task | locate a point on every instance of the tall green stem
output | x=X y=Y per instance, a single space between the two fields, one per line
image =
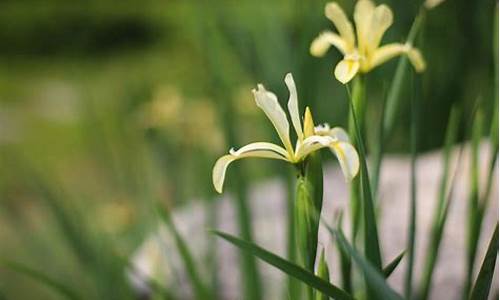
x=308 y=202
x=358 y=99
x=413 y=201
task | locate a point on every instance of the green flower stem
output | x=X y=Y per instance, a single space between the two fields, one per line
x=308 y=202
x=358 y=99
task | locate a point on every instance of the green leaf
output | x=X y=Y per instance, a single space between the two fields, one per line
x=287 y=267
x=323 y=273
x=345 y=261
x=442 y=206
x=482 y=286
x=387 y=271
x=199 y=288
x=374 y=278
x=44 y=279
x=372 y=246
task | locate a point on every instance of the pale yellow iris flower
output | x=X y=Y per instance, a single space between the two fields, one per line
x=371 y=23
x=308 y=140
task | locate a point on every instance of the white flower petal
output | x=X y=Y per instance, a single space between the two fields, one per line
x=416 y=60
x=268 y=102
x=335 y=13
x=381 y=20
x=258 y=146
x=348 y=158
x=311 y=144
x=346 y=69
x=339 y=134
x=363 y=12
x=293 y=106
x=260 y=149
x=324 y=40
x=392 y=50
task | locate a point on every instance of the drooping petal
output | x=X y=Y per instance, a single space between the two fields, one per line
x=324 y=40
x=268 y=102
x=339 y=134
x=259 y=146
x=335 y=13
x=416 y=59
x=363 y=12
x=381 y=20
x=430 y=4
x=346 y=69
x=390 y=51
x=348 y=158
x=293 y=106
x=261 y=149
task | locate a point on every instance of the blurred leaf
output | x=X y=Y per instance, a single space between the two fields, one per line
x=323 y=273
x=199 y=288
x=474 y=214
x=287 y=267
x=387 y=271
x=482 y=286
x=345 y=261
x=414 y=112
x=442 y=205
x=58 y=287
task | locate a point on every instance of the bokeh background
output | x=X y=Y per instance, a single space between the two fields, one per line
x=108 y=107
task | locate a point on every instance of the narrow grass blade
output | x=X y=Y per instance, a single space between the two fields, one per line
x=393 y=96
x=199 y=288
x=475 y=217
x=345 y=262
x=482 y=286
x=374 y=278
x=323 y=273
x=414 y=108
x=42 y=278
x=372 y=245
x=287 y=267
x=392 y=100
x=442 y=206
x=387 y=271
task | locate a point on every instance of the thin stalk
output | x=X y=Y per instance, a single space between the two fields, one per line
x=392 y=103
x=371 y=241
x=442 y=205
x=358 y=99
x=413 y=200
x=293 y=288
x=474 y=213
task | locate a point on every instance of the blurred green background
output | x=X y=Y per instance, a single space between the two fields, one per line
x=106 y=107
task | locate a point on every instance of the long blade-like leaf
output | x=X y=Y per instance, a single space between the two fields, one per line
x=287 y=267
x=387 y=271
x=372 y=246
x=44 y=279
x=482 y=286
x=374 y=278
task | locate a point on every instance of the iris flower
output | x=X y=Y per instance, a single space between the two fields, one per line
x=371 y=23
x=308 y=141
